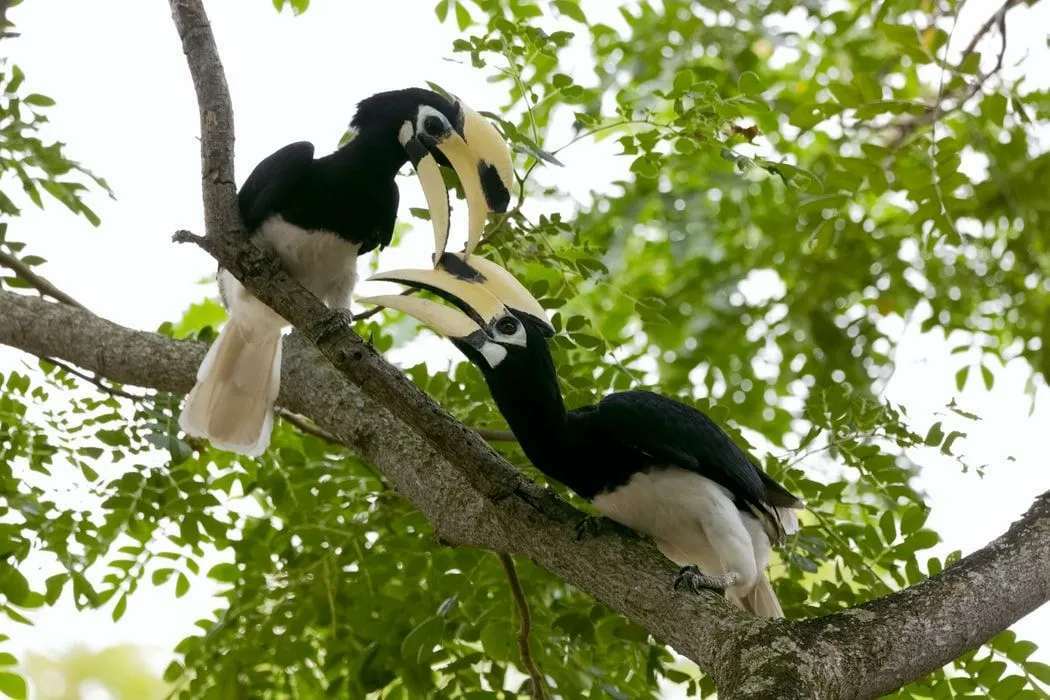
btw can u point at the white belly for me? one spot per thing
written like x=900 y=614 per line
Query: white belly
x=321 y=261
x=692 y=519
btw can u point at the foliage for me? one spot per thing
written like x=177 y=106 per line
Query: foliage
x=800 y=175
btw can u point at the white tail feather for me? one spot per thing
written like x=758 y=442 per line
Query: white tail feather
x=761 y=600
x=237 y=384
x=788 y=520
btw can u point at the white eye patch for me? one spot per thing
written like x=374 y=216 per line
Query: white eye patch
x=406 y=133
x=425 y=112
x=509 y=330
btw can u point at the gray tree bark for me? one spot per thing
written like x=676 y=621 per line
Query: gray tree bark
x=473 y=497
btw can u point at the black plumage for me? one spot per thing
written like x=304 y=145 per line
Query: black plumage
x=317 y=215
x=652 y=463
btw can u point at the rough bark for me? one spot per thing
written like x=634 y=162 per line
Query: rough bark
x=473 y=497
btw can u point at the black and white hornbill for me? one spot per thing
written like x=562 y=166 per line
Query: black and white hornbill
x=318 y=215
x=644 y=460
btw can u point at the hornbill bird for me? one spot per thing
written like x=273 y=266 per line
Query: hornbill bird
x=644 y=460
x=318 y=215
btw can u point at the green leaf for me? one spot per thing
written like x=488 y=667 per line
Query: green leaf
x=888 y=527
x=7 y=659
x=1039 y=670
x=120 y=607
x=749 y=83
x=441 y=10
x=497 y=640
x=987 y=376
x=571 y=9
x=38 y=100
x=934 y=435
x=182 y=585
x=463 y=18
x=12 y=685
x=227 y=573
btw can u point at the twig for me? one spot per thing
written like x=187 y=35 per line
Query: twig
x=496 y=435
x=24 y=273
x=539 y=686
x=307 y=426
x=936 y=111
x=93 y=380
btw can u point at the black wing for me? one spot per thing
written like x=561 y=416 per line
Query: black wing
x=673 y=433
x=265 y=190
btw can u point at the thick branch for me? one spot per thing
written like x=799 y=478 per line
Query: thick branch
x=856 y=653
x=216 y=112
x=469 y=494
x=474 y=497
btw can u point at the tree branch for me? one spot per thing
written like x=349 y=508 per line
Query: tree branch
x=469 y=494
x=539 y=685
x=856 y=653
x=473 y=497
x=26 y=274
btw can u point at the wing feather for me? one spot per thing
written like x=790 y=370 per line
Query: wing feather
x=674 y=433
x=265 y=191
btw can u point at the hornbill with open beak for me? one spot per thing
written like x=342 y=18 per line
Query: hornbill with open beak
x=644 y=460
x=318 y=215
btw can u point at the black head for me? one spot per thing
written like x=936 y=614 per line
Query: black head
x=388 y=111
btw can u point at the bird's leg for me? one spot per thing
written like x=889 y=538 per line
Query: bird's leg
x=597 y=525
x=692 y=579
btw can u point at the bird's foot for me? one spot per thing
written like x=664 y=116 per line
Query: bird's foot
x=692 y=579
x=597 y=525
x=334 y=323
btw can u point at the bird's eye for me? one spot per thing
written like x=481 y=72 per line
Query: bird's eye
x=507 y=325
x=433 y=126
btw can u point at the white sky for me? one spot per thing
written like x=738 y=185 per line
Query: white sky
x=126 y=109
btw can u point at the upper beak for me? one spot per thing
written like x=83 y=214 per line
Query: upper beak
x=503 y=285
x=481 y=159
x=473 y=299
x=479 y=287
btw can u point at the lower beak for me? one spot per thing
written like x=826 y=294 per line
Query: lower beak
x=468 y=167
x=434 y=190
x=470 y=297
x=445 y=320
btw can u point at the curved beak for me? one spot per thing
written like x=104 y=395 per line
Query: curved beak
x=480 y=288
x=445 y=320
x=473 y=299
x=434 y=189
x=503 y=285
x=481 y=159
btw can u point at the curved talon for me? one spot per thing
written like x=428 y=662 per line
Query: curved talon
x=695 y=580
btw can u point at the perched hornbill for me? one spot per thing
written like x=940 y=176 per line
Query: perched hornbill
x=318 y=215
x=644 y=460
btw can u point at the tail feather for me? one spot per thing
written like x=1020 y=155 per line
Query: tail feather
x=237 y=384
x=761 y=600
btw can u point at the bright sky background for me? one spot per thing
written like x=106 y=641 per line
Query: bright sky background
x=126 y=109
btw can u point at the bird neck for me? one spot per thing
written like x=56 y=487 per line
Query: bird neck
x=526 y=392
x=374 y=154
